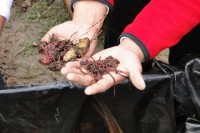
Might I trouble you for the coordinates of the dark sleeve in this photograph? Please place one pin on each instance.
(109, 3)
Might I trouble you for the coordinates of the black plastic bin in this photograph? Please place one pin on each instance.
(169, 104)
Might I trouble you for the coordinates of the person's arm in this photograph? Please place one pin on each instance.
(87, 17)
(89, 12)
(2, 21)
(162, 23)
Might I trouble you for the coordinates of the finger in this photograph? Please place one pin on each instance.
(94, 89)
(81, 79)
(71, 67)
(104, 84)
(46, 37)
(88, 54)
(54, 32)
(91, 49)
(71, 64)
(65, 71)
(137, 79)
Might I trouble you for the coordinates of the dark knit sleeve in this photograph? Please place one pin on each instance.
(108, 3)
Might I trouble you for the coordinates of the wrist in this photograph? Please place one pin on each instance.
(90, 13)
(85, 30)
(133, 47)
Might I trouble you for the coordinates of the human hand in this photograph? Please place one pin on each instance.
(129, 56)
(86, 22)
(73, 31)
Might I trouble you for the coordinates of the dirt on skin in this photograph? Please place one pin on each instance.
(29, 21)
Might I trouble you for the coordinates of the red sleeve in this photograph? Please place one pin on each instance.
(162, 23)
(111, 2)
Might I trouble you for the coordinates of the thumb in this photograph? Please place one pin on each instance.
(137, 79)
(91, 49)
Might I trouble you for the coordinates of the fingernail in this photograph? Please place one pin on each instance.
(88, 92)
